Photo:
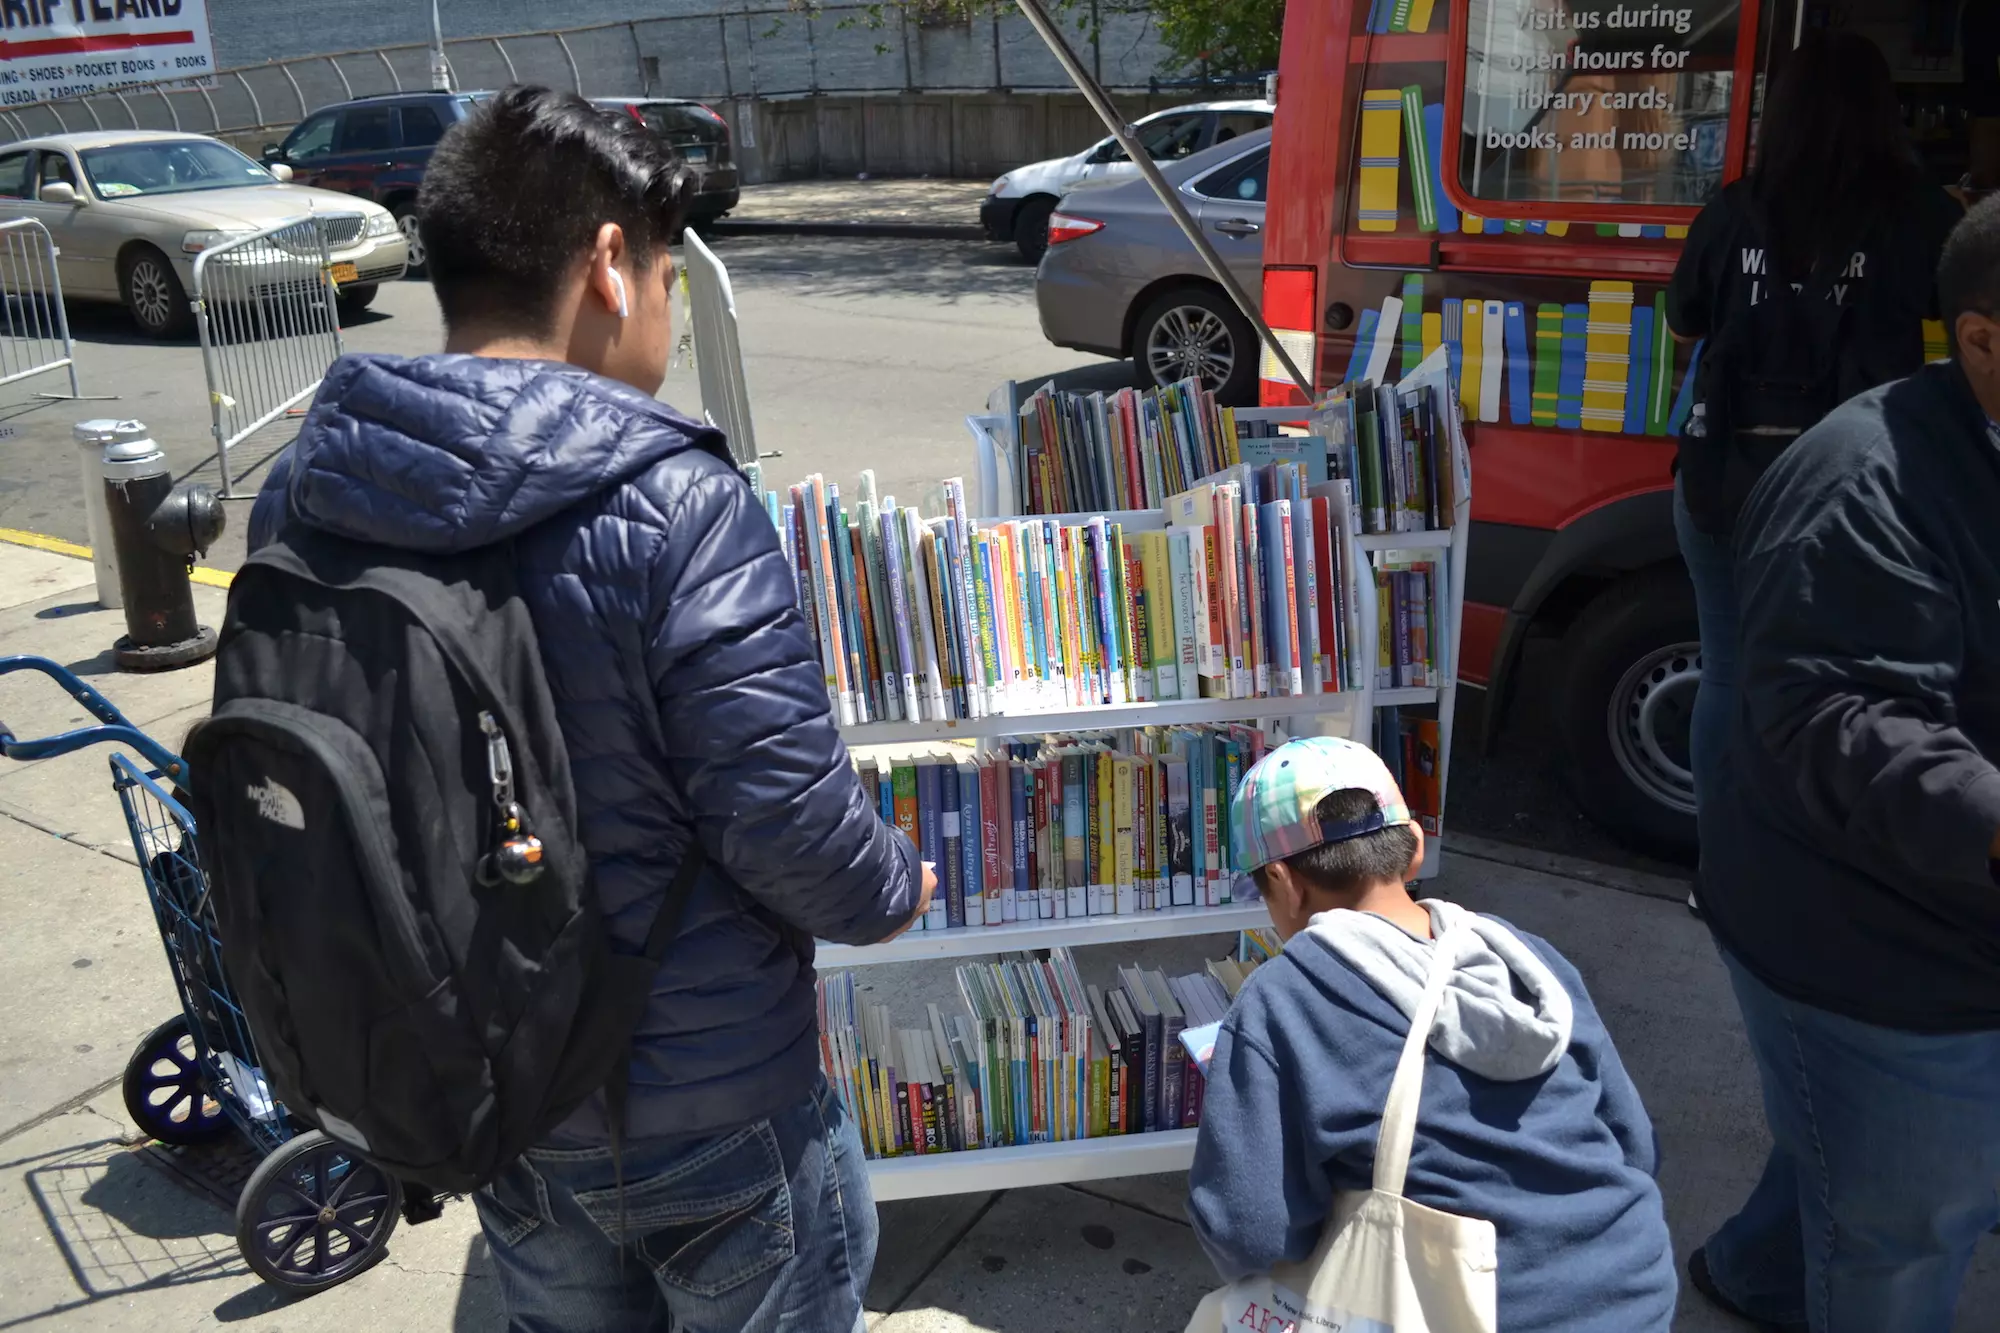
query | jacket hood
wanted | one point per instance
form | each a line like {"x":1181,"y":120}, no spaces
{"x":450,"y":453}
{"x":1504,"y":1016}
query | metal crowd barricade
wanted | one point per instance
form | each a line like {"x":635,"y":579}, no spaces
{"x":270,"y":326}
{"x":34,"y":328}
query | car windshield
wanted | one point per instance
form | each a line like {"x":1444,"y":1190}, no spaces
{"x":169,"y":166}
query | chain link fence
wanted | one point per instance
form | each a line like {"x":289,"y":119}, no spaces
{"x":723,"y":55}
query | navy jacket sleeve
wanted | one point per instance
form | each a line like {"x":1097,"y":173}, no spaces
{"x":750,"y":742}
{"x":1257,"y":1193}
{"x":1852,"y":644}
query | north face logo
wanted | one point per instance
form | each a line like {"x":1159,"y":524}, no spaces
{"x":278,"y":805}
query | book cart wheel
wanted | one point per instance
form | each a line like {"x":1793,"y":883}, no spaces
{"x":166,"y":1093}
{"x":315,"y":1214}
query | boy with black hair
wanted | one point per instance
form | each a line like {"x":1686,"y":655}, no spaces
{"x":692,"y":708}
{"x":1527,"y":1118}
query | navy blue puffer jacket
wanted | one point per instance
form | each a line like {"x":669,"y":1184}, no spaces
{"x":690,"y":698}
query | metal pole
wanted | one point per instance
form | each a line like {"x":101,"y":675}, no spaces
{"x":440,"y":67}
{"x":1100,"y":102}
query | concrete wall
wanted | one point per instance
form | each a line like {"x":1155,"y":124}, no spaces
{"x":710,"y":48}
{"x":830,"y":93}
{"x":968,"y":135}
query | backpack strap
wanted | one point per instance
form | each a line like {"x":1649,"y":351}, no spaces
{"x":666,"y":927}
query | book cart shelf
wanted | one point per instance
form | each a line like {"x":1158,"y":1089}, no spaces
{"x":1347,"y":713}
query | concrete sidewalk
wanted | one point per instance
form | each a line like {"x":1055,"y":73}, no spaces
{"x":99,"y":1231}
{"x":922,"y":208}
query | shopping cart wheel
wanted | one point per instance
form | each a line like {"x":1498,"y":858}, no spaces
{"x":314,"y":1214}
{"x":166,"y":1093}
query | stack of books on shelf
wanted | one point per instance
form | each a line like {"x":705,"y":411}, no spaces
{"x":1400,"y":447}
{"x":1111,"y":823}
{"x":1083,"y":453}
{"x":1247,"y":592}
{"x":1037,"y":1056}
{"x":1410,"y":746}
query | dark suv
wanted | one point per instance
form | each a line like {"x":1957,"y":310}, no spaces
{"x":377,"y":148}
{"x":699,"y":137}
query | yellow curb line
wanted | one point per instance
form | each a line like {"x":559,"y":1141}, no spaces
{"x":214,"y":578}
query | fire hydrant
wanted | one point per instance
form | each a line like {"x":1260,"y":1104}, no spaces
{"x":157,"y":529}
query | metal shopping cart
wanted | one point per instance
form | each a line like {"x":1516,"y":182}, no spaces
{"x":313,"y":1213}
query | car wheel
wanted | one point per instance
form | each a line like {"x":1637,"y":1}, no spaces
{"x":406,"y":222}
{"x":1031,"y":227}
{"x":1634,"y":662}
{"x":1195,"y":331}
{"x":353,"y":300}
{"x":154,"y":296}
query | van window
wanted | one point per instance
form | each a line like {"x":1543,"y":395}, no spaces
{"x":15,"y":170}
{"x":1241,"y":181}
{"x":367,"y":130}
{"x":421,"y":127}
{"x":1230,"y":124}
{"x":1597,"y":101}
{"x":312,"y":139}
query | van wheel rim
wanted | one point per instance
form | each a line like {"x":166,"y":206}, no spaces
{"x":1650,"y":716}
{"x":1191,"y":340}
{"x":152,"y":298}
{"x":413,"y":237}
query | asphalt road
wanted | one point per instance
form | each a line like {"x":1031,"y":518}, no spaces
{"x":859,"y":353}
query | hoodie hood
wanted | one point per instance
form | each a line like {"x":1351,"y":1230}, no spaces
{"x":1504,"y":1016}
{"x":450,"y":453}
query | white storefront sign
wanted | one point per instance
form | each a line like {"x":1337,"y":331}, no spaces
{"x":66,"y":48}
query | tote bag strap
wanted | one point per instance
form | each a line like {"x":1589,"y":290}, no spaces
{"x":1399,"y":1116}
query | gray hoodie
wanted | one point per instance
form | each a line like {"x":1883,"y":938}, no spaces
{"x":1504,"y":1015}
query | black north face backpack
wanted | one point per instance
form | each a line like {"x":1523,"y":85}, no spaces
{"x":389,"y":828}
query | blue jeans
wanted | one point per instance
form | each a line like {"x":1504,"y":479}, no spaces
{"x":764,"y":1228}
{"x":1884,"y":1174}
{"x":1711,"y":566}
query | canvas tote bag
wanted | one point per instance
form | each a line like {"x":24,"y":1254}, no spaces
{"x":1384,"y":1264}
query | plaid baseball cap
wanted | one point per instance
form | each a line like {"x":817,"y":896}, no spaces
{"x":1275,"y":813}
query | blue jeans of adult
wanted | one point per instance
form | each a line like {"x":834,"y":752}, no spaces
{"x":767,"y":1227}
{"x":1882,"y":1175}
{"x":1711,"y":566}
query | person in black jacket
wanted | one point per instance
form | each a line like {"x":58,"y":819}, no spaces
{"x":1853,"y":885}
{"x":1837,"y":204}
{"x":691,"y":703}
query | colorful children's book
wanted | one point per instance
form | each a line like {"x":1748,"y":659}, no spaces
{"x":1381,"y":159}
{"x":1639,"y":371}
{"x":1423,"y":175}
{"x":1607,"y":356}
{"x":1569,"y":398}
{"x":1548,"y":363}
{"x":1520,"y":367}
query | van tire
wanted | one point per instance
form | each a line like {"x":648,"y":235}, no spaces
{"x":1031,"y":227}
{"x":1632,"y":657}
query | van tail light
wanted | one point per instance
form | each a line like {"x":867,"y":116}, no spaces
{"x":1291,"y":300}
{"x":1065,"y":227}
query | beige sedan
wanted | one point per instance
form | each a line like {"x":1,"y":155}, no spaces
{"x":131,"y":209}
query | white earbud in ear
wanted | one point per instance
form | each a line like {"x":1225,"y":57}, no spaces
{"x":618,"y":281}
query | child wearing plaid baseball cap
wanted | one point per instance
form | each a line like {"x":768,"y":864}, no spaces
{"x":1527,"y":1117}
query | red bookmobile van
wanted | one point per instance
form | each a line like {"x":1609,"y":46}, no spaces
{"x":1514,"y":178}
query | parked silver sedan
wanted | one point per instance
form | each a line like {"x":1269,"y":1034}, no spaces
{"x":130,"y":210}
{"x":1120,"y":279}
